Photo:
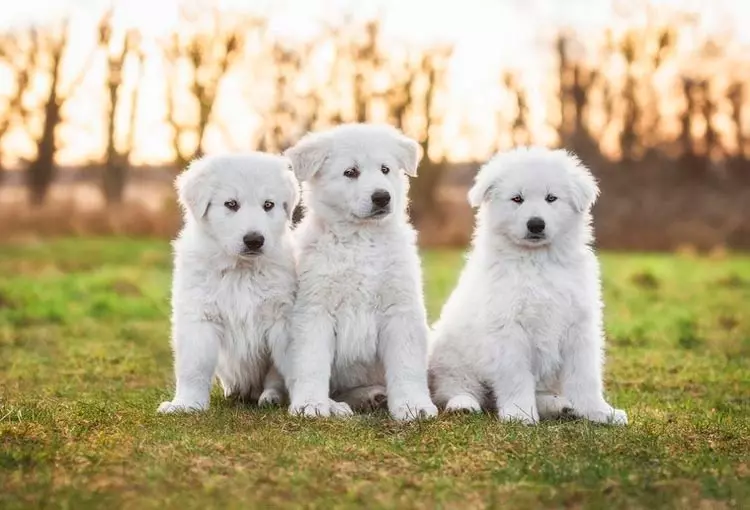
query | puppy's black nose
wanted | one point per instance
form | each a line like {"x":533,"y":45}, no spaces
{"x":381,"y":198}
{"x":535,"y":225}
{"x":254,"y":241}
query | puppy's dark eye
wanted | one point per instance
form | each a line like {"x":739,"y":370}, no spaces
{"x":268,"y":205}
{"x":352,"y":172}
{"x":550,"y":198}
{"x":385,"y":169}
{"x":517,"y":199}
{"x":232,"y":205}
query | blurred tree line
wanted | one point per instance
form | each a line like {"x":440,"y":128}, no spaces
{"x":695,"y":120}
{"x":609,"y":107}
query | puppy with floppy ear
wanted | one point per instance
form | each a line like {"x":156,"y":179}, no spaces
{"x":583,"y":188}
{"x":309,"y":154}
{"x":193,"y":191}
{"x":359,"y":324}
{"x":234,"y":278}
{"x":525,"y":319}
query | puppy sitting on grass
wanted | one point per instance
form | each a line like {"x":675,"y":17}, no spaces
{"x":525,"y":322}
{"x":234,"y":278}
{"x":359,"y":331}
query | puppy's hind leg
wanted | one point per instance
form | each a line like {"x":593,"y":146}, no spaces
{"x":552,"y":406}
{"x":196,"y":353}
{"x":550,"y":401}
{"x":463,"y":403}
{"x":365,"y":398}
{"x":273,"y":389}
{"x":456,"y":392}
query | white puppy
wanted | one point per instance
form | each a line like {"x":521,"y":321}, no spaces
{"x":234,"y":278}
{"x":525,"y":321}
{"x":359,"y":326}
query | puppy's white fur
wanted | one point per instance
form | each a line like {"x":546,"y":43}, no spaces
{"x":359,"y":325}
{"x":230,"y":306}
{"x":525,"y":321}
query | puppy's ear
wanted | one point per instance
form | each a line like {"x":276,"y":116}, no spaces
{"x":193,"y":188}
{"x":309,"y":154}
{"x":485,"y":180}
{"x":292,"y":185}
{"x":583,"y":188}
{"x":408,"y":154}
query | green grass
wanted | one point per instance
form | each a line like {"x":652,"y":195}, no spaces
{"x":85,"y":360}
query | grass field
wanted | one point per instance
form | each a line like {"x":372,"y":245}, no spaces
{"x":85,"y":360}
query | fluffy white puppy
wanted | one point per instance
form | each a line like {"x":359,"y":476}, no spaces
{"x":359,"y":331}
{"x":525,"y":322}
{"x":234,"y":278}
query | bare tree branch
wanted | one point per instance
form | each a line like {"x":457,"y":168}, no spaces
{"x":209,"y":55}
{"x":82,"y":72}
{"x":41,"y":171}
{"x":12,"y":54}
{"x":117,"y":162}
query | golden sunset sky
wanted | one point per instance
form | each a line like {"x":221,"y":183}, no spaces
{"x":488,"y":36}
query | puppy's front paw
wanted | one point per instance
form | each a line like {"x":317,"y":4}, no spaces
{"x":607,"y":415}
{"x":610,"y":416}
{"x":181,"y":407}
{"x":270,"y":397}
{"x":527,"y":415}
{"x":619,"y":417}
{"x":311,"y":409}
{"x":463,"y":404}
{"x":411,"y":410}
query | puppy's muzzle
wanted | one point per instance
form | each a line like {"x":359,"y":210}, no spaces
{"x":253,"y":243}
{"x":381,"y":203}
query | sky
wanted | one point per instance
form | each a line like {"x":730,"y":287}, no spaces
{"x":488,"y":36}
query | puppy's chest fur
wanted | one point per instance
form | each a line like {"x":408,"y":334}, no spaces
{"x":245,"y":302}
{"x":353,"y":279}
{"x":544,"y":301}
{"x":349,"y":274}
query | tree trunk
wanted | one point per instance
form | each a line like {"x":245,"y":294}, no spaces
{"x":115,"y":177}
{"x":114,"y":171}
{"x":41,"y":172}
